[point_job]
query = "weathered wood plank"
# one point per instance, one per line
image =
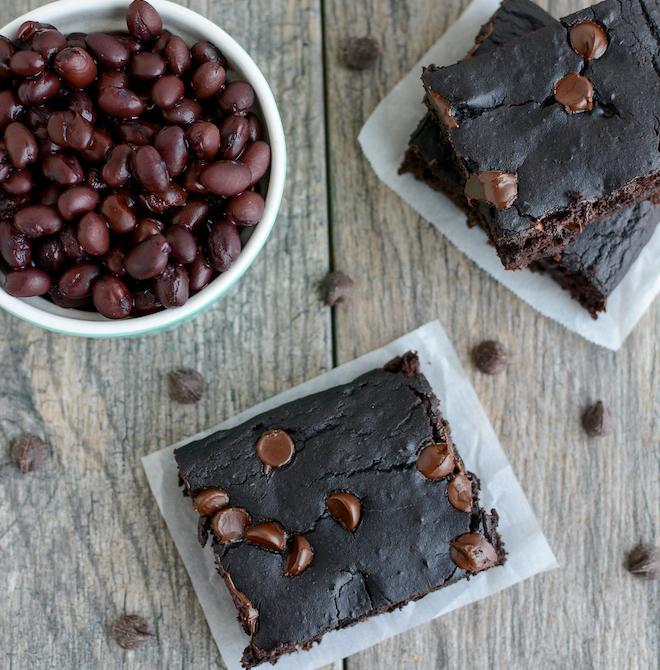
(82, 540)
(594, 497)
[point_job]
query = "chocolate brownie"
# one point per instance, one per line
(336, 507)
(590, 268)
(553, 131)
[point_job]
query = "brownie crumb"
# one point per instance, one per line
(361, 53)
(643, 561)
(131, 631)
(491, 357)
(597, 420)
(28, 453)
(186, 386)
(337, 288)
(408, 364)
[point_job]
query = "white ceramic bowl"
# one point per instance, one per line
(74, 15)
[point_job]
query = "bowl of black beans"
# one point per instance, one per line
(142, 165)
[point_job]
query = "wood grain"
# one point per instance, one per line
(594, 498)
(82, 540)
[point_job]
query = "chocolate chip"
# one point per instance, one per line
(361, 53)
(210, 501)
(344, 508)
(575, 93)
(229, 524)
(597, 420)
(28, 452)
(497, 188)
(473, 552)
(131, 631)
(643, 561)
(337, 288)
(275, 449)
(186, 385)
(407, 365)
(299, 557)
(443, 110)
(459, 492)
(588, 39)
(269, 535)
(436, 461)
(203, 528)
(248, 614)
(490, 357)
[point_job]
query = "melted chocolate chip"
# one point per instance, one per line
(345, 508)
(597, 420)
(473, 552)
(269, 535)
(337, 288)
(28, 453)
(186, 386)
(362, 52)
(643, 561)
(588, 39)
(490, 357)
(210, 501)
(459, 492)
(275, 449)
(248, 614)
(436, 461)
(299, 557)
(499, 189)
(575, 93)
(131, 631)
(229, 524)
(443, 110)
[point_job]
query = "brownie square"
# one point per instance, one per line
(553, 131)
(336, 507)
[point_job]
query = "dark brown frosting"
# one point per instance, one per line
(345, 508)
(473, 552)
(588, 39)
(500, 189)
(575, 93)
(436, 461)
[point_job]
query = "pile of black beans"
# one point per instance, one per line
(129, 166)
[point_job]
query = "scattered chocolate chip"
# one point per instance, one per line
(490, 357)
(499, 189)
(459, 492)
(597, 420)
(361, 53)
(269, 535)
(443, 110)
(407, 365)
(588, 39)
(131, 631)
(28, 452)
(299, 557)
(473, 552)
(229, 524)
(643, 561)
(436, 461)
(275, 449)
(186, 386)
(210, 501)
(337, 288)
(575, 93)
(345, 508)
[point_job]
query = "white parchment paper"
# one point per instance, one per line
(384, 139)
(528, 549)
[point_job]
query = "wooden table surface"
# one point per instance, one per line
(82, 540)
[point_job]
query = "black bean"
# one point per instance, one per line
(147, 65)
(76, 67)
(61, 169)
(204, 139)
(246, 209)
(192, 215)
(183, 244)
(11, 108)
(149, 258)
(27, 63)
(207, 80)
(112, 298)
(205, 52)
(116, 171)
(177, 56)
(120, 102)
(185, 113)
(173, 286)
(50, 255)
(21, 145)
(146, 228)
(172, 196)
(118, 211)
(94, 234)
(257, 159)
(236, 98)
(226, 178)
(143, 21)
(200, 273)
(168, 91)
(27, 283)
(234, 136)
(108, 50)
(77, 201)
(15, 247)
(224, 245)
(38, 220)
(70, 129)
(76, 282)
(49, 43)
(150, 170)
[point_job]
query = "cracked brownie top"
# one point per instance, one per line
(558, 128)
(337, 506)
